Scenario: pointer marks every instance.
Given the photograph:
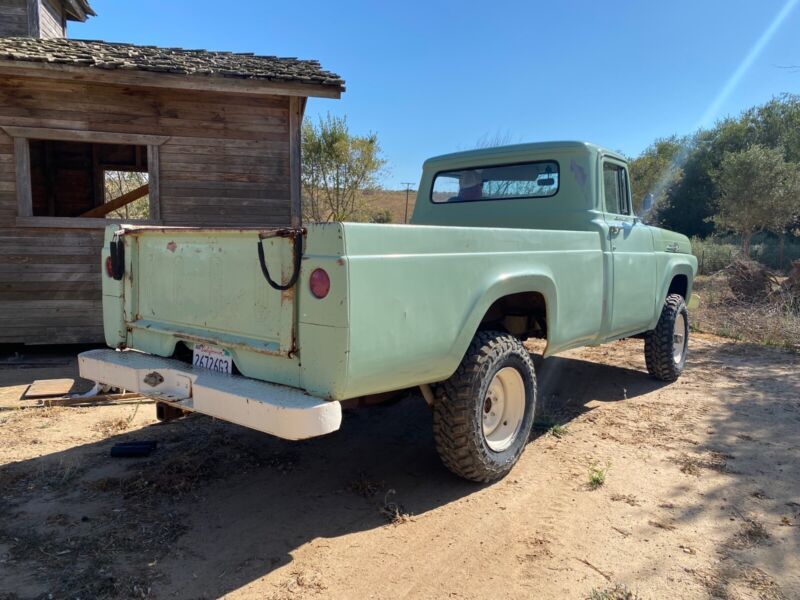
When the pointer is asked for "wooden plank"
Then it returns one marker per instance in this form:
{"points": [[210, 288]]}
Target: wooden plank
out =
{"points": [[212, 168], [99, 399], [6, 269], [49, 388], [112, 99], [116, 203], [23, 177], [62, 277], [50, 20], [49, 305], [249, 177], [243, 205], [182, 154], [77, 222], [277, 160], [24, 257], [154, 179], [96, 137], [295, 121], [95, 400], [33, 18], [169, 80], [228, 143]]}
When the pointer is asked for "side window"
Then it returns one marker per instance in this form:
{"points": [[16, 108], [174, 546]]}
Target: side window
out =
{"points": [[615, 189]]}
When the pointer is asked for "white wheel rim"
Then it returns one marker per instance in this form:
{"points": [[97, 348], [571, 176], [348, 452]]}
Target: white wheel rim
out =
{"points": [[503, 409], [679, 338]]}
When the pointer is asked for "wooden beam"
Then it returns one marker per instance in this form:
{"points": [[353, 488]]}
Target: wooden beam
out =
{"points": [[228, 85], [75, 222], [22, 156], [98, 179], [153, 177], [33, 18], [50, 180], [118, 202], [78, 135], [295, 120]]}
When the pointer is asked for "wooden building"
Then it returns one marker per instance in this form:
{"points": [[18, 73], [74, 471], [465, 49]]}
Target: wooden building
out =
{"points": [[41, 18], [214, 138]]}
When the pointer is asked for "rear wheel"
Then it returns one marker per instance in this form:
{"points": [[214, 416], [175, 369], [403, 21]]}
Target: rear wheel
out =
{"points": [[665, 346], [483, 414]]}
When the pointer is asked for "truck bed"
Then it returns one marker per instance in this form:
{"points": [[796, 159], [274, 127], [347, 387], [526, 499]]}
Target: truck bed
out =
{"points": [[404, 300]]}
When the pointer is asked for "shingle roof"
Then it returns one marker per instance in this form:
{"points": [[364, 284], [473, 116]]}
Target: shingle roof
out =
{"points": [[196, 63]]}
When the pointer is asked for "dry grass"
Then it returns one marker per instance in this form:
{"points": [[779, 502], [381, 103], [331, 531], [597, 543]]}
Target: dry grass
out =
{"points": [[394, 511], [693, 464], [752, 533], [772, 323], [301, 583], [628, 499], [110, 427], [363, 486], [391, 201], [616, 592]]}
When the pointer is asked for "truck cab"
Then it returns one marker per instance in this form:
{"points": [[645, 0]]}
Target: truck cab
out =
{"points": [[584, 188]]}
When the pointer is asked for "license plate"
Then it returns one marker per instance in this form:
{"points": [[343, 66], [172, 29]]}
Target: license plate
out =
{"points": [[212, 358]]}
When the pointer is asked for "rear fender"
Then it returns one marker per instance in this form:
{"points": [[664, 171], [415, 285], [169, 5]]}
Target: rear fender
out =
{"points": [[505, 285]]}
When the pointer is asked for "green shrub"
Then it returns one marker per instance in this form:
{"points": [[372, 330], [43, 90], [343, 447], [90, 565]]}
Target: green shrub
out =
{"points": [[716, 252]]}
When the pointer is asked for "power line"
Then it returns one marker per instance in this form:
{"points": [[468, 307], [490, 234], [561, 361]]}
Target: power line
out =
{"points": [[408, 185]]}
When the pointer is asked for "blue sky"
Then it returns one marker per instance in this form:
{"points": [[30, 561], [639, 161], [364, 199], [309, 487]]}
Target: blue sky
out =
{"points": [[434, 77]]}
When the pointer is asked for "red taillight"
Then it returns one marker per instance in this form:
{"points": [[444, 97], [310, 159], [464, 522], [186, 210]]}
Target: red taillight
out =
{"points": [[109, 267], [319, 283]]}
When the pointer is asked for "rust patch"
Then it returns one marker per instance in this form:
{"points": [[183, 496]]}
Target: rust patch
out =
{"points": [[340, 261], [171, 246]]}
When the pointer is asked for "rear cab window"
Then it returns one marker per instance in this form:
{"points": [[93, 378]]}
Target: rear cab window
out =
{"points": [[538, 179]]}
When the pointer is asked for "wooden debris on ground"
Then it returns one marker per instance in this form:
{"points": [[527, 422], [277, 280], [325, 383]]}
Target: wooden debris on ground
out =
{"points": [[63, 392]]}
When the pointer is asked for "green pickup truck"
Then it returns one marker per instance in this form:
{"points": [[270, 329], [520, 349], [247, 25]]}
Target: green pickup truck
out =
{"points": [[273, 329]]}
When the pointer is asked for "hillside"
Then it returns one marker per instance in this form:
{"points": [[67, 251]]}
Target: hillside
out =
{"points": [[394, 201]]}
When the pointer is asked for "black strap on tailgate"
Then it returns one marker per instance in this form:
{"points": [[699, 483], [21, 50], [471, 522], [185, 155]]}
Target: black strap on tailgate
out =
{"points": [[297, 236], [116, 251]]}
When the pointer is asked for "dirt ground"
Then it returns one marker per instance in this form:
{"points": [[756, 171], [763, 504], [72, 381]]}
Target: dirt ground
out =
{"points": [[696, 495]]}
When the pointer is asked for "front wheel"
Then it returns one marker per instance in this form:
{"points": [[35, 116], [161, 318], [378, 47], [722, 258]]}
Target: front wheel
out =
{"points": [[665, 346], [483, 414]]}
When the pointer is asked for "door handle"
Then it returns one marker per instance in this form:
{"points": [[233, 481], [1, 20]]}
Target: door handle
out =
{"points": [[614, 229]]}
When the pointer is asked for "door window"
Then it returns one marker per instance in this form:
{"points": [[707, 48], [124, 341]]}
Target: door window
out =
{"points": [[615, 189]]}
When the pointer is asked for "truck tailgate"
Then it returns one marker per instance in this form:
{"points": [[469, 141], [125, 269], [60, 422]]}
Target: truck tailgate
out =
{"points": [[206, 285]]}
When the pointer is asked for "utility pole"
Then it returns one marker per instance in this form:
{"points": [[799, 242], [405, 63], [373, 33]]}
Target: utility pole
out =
{"points": [[408, 185]]}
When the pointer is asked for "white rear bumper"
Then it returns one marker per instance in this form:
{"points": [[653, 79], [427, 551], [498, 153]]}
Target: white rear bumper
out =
{"points": [[282, 411]]}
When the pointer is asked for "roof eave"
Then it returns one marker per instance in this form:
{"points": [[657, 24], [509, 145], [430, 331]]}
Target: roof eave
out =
{"points": [[142, 78], [78, 10]]}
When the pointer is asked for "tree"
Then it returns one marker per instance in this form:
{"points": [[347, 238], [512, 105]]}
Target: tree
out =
{"points": [[691, 200], [758, 191], [656, 171], [337, 167], [116, 184]]}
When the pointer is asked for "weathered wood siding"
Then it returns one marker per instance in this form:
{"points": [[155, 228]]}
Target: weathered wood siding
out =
{"points": [[226, 162], [13, 18], [51, 19]]}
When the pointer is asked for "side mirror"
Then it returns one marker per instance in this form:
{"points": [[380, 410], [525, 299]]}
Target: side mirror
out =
{"points": [[647, 204]]}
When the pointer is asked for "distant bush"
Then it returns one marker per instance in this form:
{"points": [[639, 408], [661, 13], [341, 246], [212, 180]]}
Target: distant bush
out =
{"points": [[381, 216], [716, 253]]}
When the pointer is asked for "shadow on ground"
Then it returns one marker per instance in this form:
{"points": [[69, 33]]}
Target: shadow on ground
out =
{"points": [[218, 506]]}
